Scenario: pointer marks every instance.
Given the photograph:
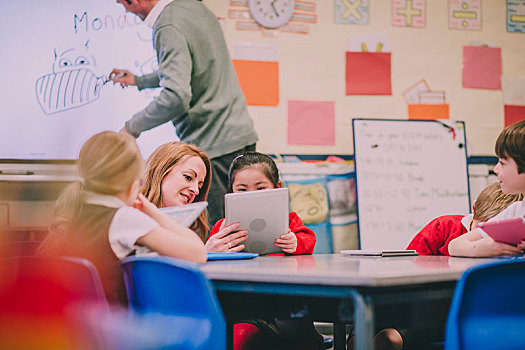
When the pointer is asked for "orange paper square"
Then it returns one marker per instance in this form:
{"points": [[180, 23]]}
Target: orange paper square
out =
{"points": [[428, 112], [259, 81]]}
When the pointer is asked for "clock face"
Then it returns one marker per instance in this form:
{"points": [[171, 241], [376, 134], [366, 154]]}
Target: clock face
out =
{"points": [[271, 13]]}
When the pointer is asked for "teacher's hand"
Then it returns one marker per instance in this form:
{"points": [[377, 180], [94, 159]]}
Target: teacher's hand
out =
{"points": [[227, 239], [123, 77]]}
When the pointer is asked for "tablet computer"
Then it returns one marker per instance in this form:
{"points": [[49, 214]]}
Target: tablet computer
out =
{"points": [[264, 214], [368, 252], [510, 231], [185, 214]]}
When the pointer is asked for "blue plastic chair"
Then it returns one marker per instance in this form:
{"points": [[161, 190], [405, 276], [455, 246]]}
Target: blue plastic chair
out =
{"points": [[176, 292], [488, 308]]}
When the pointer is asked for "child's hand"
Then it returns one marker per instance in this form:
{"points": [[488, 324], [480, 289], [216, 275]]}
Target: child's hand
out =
{"points": [[287, 242], [487, 247], [145, 206], [226, 239], [521, 245]]}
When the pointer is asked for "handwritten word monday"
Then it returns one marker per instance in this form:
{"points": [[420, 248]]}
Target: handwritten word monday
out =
{"points": [[84, 23]]}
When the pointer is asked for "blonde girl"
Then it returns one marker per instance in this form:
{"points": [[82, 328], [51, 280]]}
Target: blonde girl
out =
{"points": [[104, 218]]}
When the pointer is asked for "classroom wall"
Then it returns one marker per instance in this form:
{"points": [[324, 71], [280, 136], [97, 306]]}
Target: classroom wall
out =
{"points": [[312, 67]]}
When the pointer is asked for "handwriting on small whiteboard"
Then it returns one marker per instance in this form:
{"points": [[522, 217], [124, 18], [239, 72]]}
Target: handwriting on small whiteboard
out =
{"points": [[408, 172]]}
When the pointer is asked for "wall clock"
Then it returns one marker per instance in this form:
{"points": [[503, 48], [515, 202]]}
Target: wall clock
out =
{"points": [[271, 13]]}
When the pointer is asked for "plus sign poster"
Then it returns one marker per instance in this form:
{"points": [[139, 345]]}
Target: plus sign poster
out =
{"points": [[408, 13]]}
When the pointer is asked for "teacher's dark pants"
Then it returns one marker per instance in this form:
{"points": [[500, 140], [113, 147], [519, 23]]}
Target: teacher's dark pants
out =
{"points": [[219, 183]]}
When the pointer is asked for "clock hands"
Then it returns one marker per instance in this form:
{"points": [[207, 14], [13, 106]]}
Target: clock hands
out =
{"points": [[273, 8]]}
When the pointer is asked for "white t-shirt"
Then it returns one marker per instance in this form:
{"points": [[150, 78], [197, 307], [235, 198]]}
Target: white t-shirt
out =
{"points": [[515, 210], [466, 221], [127, 226]]}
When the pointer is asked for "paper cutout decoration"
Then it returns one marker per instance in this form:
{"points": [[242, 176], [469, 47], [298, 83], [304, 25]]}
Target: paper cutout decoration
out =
{"points": [[482, 67], [514, 114], [368, 73], [352, 11], [428, 112], [311, 123], [259, 81], [411, 95], [369, 43], [516, 16], [432, 98], [464, 14], [408, 13]]}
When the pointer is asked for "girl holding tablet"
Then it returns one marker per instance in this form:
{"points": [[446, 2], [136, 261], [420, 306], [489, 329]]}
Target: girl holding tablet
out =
{"points": [[253, 171]]}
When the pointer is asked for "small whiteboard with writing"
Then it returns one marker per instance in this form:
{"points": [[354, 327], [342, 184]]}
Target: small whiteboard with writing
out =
{"points": [[408, 172]]}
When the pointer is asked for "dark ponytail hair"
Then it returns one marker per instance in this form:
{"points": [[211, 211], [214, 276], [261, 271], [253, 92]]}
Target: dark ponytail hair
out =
{"points": [[254, 159]]}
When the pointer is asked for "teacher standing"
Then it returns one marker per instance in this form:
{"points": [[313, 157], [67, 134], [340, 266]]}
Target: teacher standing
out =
{"points": [[200, 93]]}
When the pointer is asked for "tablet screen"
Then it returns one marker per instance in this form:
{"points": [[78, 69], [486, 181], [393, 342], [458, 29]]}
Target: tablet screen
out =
{"points": [[264, 214], [185, 214]]}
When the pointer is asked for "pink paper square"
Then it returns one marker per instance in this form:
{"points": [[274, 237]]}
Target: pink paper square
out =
{"points": [[482, 67], [311, 123]]}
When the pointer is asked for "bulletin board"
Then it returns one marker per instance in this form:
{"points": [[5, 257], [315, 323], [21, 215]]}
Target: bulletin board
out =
{"points": [[407, 173], [435, 46]]}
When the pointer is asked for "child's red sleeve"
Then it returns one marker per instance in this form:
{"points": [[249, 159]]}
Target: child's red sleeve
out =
{"points": [[215, 228], [305, 237], [429, 239]]}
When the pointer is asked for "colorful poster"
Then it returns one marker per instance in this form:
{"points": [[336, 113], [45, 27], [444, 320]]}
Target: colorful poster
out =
{"points": [[259, 81], [482, 67], [516, 16], [368, 73], [311, 123], [408, 13], [464, 14], [352, 11]]}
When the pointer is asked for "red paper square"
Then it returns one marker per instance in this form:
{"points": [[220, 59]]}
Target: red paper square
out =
{"points": [[368, 73], [514, 114], [482, 67], [311, 123]]}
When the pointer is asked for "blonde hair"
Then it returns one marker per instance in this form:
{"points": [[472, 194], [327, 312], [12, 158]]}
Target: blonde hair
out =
{"points": [[491, 201], [108, 164], [161, 162]]}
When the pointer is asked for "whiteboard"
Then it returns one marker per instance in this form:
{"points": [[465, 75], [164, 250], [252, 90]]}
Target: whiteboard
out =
{"points": [[56, 55], [408, 172]]}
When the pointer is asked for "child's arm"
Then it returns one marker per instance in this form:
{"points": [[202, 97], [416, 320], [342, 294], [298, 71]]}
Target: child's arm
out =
{"points": [[170, 238], [473, 244], [226, 238], [429, 239]]}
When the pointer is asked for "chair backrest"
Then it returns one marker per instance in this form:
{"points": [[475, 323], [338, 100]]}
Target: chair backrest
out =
{"points": [[173, 287], [42, 300], [488, 308], [45, 285]]}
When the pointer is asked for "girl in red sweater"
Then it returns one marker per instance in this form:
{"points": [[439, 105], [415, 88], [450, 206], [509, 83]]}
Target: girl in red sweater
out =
{"points": [[253, 171]]}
